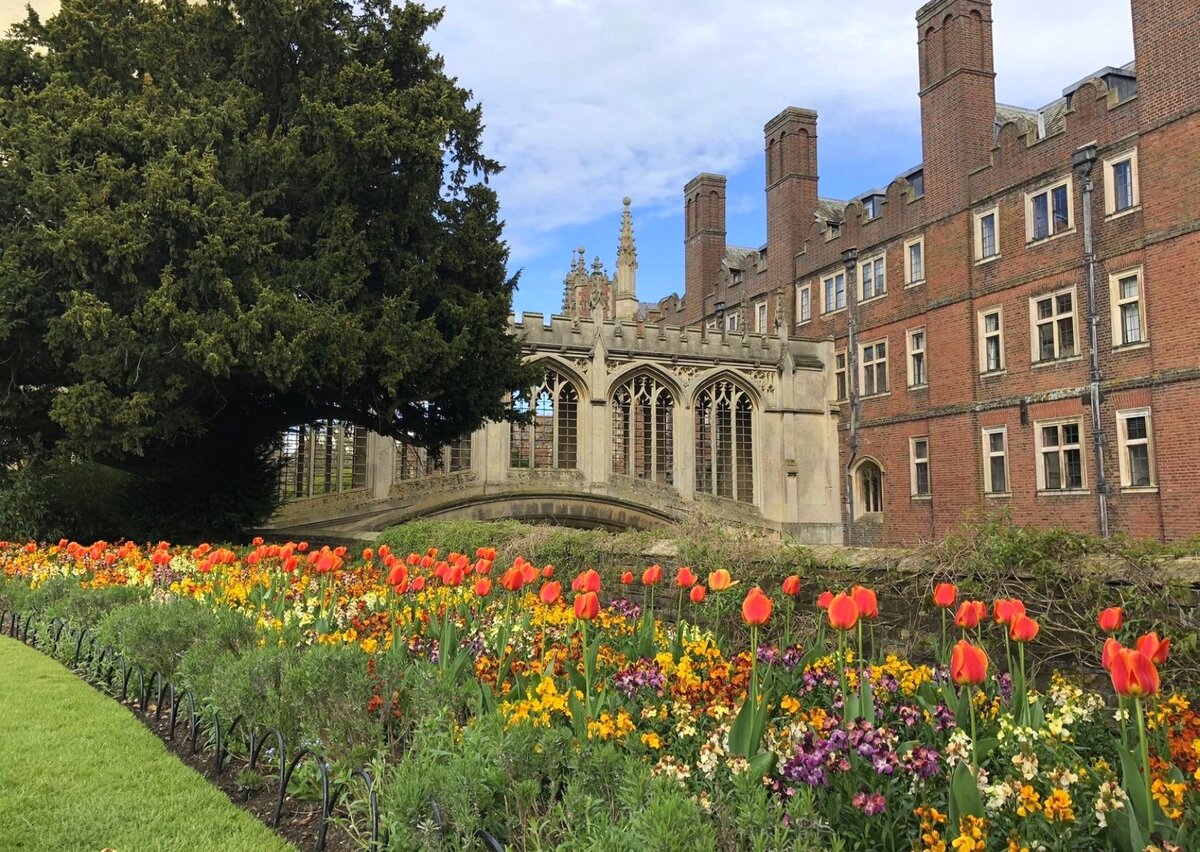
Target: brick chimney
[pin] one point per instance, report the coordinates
(790, 140)
(958, 97)
(1165, 35)
(703, 241)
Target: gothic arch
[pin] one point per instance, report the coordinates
(643, 407)
(628, 372)
(868, 474)
(550, 439)
(724, 451)
(718, 373)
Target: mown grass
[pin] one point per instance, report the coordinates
(78, 771)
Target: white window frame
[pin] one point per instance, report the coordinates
(841, 368)
(878, 265)
(1042, 451)
(913, 462)
(1055, 317)
(1124, 442)
(913, 351)
(989, 486)
(994, 212)
(983, 336)
(909, 280)
(1110, 184)
(1048, 191)
(829, 287)
(1117, 303)
(802, 291)
(878, 365)
(760, 316)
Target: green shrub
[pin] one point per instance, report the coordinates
(461, 536)
(328, 688)
(249, 685)
(157, 635)
(229, 635)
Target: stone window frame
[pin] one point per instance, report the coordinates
(828, 287)
(549, 399)
(989, 454)
(877, 263)
(984, 335)
(1110, 184)
(879, 365)
(760, 316)
(1117, 303)
(864, 490)
(909, 245)
(1124, 442)
(915, 462)
(803, 288)
(841, 376)
(911, 360)
(739, 476)
(1048, 191)
(1060, 449)
(663, 400)
(1056, 316)
(977, 230)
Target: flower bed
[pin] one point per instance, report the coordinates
(551, 708)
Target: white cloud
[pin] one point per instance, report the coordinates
(589, 100)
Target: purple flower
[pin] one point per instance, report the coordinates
(642, 675)
(923, 762)
(869, 803)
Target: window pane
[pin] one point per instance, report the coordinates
(1066, 337)
(1070, 434)
(923, 478)
(993, 353)
(1139, 465)
(1063, 302)
(1041, 217)
(1074, 462)
(1061, 213)
(919, 368)
(991, 322)
(1123, 184)
(1045, 308)
(1129, 287)
(920, 449)
(987, 227)
(1135, 428)
(1131, 323)
(1053, 472)
(1046, 342)
(996, 442)
(1049, 436)
(999, 482)
(914, 262)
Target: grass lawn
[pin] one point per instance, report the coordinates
(78, 771)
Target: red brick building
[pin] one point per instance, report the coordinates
(1007, 314)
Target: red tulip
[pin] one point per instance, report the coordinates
(548, 572)
(326, 563)
(483, 587)
(551, 592)
(944, 595)
(512, 579)
(1111, 619)
(969, 614)
(529, 573)
(720, 580)
(1154, 648)
(1006, 609)
(368, 554)
(824, 600)
(843, 612)
(652, 575)
(397, 575)
(1133, 674)
(791, 585)
(684, 578)
(627, 578)
(968, 664)
(1023, 628)
(302, 546)
(417, 584)
(587, 606)
(697, 594)
(1111, 649)
(756, 608)
(868, 604)
(453, 576)
(587, 581)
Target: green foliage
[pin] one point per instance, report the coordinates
(157, 635)
(249, 685)
(328, 687)
(461, 536)
(229, 634)
(206, 239)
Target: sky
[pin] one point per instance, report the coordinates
(587, 101)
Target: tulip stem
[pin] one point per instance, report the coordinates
(587, 672)
(753, 695)
(944, 650)
(974, 749)
(1144, 746)
(841, 664)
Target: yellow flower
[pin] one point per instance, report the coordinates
(1030, 801)
(652, 740)
(972, 834)
(788, 704)
(1058, 807)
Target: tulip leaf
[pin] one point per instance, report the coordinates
(867, 706)
(964, 792)
(1135, 789)
(741, 729)
(1124, 832)
(761, 764)
(985, 747)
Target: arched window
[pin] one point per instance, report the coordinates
(643, 436)
(868, 488)
(551, 438)
(724, 448)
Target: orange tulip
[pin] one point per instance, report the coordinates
(944, 595)
(453, 576)
(697, 594)
(868, 604)
(968, 664)
(1023, 628)
(551, 592)
(586, 581)
(652, 575)
(548, 572)
(1111, 619)
(969, 614)
(1111, 648)
(1007, 609)
(587, 606)
(1133, 674)
(720, 580)
(530, 572)
(843, 612)
(791, 586)
(756, 608)
(684, 578)
(368, 554)
(824, 600)
(397, 575)
(483, 587)
(417, 584)
(627, 578)
(1154, 648)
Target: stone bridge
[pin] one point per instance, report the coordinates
(633, 425)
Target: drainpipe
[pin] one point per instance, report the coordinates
(1084, 160)
(850, 261)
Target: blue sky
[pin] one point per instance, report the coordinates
(587, 101)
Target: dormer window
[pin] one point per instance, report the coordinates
(737, 276)
(917, 181)
(835, 229)
(871, 206)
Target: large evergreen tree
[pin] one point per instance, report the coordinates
(222, 218)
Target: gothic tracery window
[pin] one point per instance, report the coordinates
(550, 439)
(413, 462)
(724, 442)
(324, 457)
(643, 436)
(869, 488)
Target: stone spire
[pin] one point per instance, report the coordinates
(626, 279)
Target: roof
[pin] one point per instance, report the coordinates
(830, 209)
(736, 256)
